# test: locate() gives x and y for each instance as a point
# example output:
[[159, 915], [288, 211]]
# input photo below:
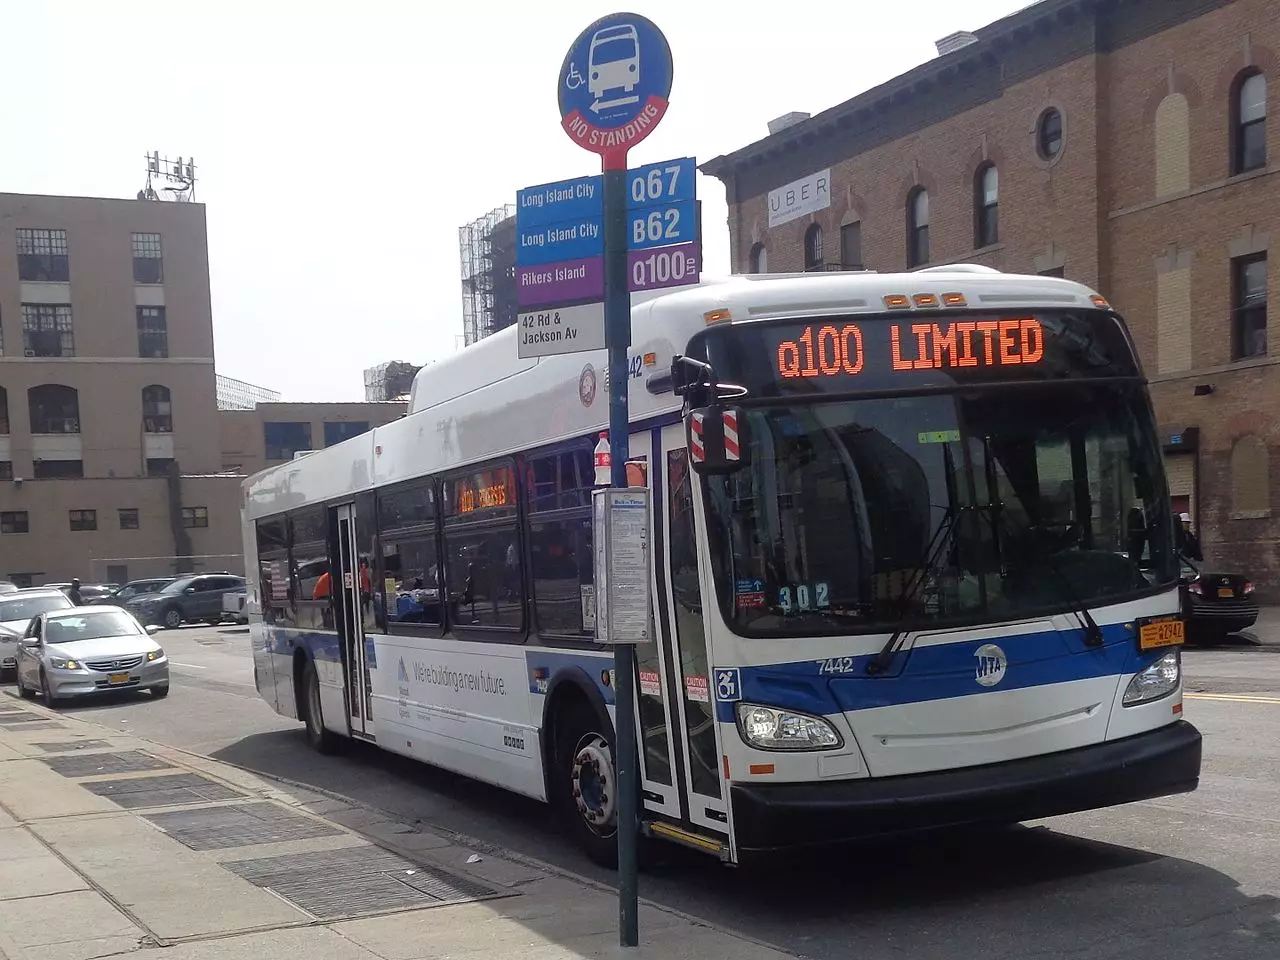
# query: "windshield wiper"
[[932, 554]]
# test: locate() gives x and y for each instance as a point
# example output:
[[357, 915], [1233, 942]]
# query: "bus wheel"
[[588, 785], [321, 739]]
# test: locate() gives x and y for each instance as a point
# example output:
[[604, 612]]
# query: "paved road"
[[1195, 875]]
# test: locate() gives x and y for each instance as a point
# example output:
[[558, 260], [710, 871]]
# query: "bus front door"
[[351, 599], [679, 746]]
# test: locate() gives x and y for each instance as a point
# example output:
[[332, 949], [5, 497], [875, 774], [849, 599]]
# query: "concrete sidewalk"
[[111, 846]]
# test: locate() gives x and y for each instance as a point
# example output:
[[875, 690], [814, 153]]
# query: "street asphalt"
[[1196, 875]]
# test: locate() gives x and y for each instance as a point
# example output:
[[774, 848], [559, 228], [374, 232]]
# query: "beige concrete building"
[[112, 456]]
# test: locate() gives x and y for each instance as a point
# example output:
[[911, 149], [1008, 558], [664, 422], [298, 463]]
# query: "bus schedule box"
[[620, 534]]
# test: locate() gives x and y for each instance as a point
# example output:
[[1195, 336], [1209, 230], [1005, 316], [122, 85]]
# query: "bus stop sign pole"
[[613, 89]]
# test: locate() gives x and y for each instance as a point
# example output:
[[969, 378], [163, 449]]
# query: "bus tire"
[[586, 783], [321, 739]]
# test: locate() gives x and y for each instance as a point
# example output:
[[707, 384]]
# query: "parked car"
[[83, 651], [1218, 604], [134, 588], [17, 610], [233, 604], [89, 592], [192, 599], [7, 587]]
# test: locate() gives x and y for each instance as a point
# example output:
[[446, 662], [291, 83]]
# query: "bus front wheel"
[[587, 783]]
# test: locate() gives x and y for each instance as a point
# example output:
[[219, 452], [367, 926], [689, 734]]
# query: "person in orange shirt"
[[323, 587]]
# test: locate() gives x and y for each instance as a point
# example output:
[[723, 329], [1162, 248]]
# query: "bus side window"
[[559, 524], [408, 593], [312, 576], [273, 572]]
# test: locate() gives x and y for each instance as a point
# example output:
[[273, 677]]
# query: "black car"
[[134, 588], [1218, 604], [191, 599]]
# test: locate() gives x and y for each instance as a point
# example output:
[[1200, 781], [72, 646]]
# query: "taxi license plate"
[[1162, 633], [1226, 592], [116, 678]]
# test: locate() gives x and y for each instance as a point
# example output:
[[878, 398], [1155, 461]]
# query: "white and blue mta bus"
[[914, 567]]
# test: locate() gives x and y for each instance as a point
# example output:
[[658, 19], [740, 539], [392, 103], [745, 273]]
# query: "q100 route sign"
[[614, 86]]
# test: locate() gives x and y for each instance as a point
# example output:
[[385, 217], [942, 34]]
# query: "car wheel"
[[587, 785], [160, 692], [172, 618], [46, 691], [23, 691], [321, 739]]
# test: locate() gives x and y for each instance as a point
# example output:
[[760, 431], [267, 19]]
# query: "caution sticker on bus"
[[1165, 632]]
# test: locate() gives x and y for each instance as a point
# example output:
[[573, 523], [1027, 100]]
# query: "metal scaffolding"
[[389, 381], [488, 248], [237, 395]]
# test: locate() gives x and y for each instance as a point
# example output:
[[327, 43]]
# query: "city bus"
[[913, 567]]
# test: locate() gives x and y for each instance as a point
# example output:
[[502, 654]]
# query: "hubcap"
[[594, 784], [173, 618]]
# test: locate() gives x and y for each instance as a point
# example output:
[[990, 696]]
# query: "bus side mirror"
[[715, 438]]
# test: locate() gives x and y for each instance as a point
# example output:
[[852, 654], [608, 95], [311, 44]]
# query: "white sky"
[[340, 146]]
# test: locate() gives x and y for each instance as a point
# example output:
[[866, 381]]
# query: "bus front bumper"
[[781, 816]]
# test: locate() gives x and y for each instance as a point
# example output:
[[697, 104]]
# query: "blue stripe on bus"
[[544, 666], [317, 644], [939, 672]]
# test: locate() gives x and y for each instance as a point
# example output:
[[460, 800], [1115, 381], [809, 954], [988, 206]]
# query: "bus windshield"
[[980, 504]]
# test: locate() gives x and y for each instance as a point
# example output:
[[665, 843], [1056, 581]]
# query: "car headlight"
[[155, 655], [768, 728], [62, 664], [1156, 681]]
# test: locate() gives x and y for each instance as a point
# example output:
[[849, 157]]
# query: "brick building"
[[1132, 145]]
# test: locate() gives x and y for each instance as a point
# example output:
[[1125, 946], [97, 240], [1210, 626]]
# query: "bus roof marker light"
[[925, 300], [718, 315], [1100, 302], [954, 300], [897, 301]]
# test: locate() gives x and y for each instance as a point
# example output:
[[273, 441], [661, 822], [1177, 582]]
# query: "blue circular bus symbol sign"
[[614, 84]]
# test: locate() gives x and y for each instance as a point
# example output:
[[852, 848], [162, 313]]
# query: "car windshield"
[[136, 589], [90, 626], [26, 608], [969, 505]]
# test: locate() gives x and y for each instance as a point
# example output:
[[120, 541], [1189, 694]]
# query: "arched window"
[[1049, 134], [4, 411], [759, 259], [54, 408], [918, 227], [813, 259], [1249, 123], [986, 206], [157, 409]]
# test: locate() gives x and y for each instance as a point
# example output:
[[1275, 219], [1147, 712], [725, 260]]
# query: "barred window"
[[148, 258], [54, 408], [47, 330], [157, 409], [83, 519], [195, 517], [42, 255], [153, 332]]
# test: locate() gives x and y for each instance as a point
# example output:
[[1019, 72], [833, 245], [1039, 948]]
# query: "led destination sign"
[[856, 353]]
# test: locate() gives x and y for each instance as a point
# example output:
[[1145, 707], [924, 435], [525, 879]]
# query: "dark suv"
[[192, 599]]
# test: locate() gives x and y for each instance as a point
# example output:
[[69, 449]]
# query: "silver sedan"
[[88, 650]]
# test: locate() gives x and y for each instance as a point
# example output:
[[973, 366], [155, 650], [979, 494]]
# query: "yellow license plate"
[[1162, 633], [1226, 592], [118, 678]]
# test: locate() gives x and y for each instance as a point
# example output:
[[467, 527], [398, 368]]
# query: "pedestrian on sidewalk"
[[74, 593], [1188, 542]]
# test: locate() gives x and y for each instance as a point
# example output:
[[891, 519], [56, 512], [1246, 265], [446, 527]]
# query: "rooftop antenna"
[[171, 180]]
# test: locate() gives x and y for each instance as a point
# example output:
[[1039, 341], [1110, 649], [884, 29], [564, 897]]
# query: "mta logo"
[[402, 675]]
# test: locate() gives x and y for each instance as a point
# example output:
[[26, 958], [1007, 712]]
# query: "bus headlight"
[[1156, 681], [767, 728]]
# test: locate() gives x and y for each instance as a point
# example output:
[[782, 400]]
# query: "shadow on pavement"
[[1016, 891]]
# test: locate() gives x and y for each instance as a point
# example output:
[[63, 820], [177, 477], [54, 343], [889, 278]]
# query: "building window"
[[128, 518], [986, 207], [6, 469], [47, 330], [4, 411], [1049, 134], [813, 259], [58, 469], [759, 259], [284, 439], [194, 518], [336, 432], [1249, 326], [54, 408], [14, 521], [148, 258], [159, 466], [157, 409], [1250, 478], [918, 227], [1249, 123], [153, 332], [42, 255], [83, 519], [851, 246]]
